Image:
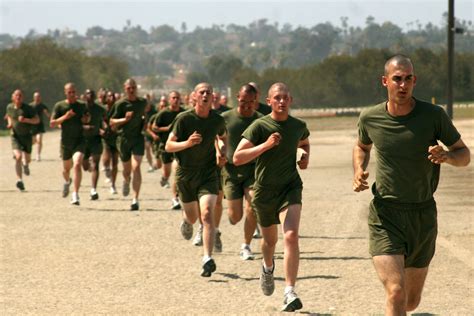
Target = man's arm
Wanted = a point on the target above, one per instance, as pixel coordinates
(457, 155)
(60, 120)
(34, 120)
(246, 151)
(360, 161)
(173, 145)
(304, 158)
(221, 149)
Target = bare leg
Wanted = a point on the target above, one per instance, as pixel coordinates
(77, 166)
(290, 219)
(137, 175)
(414, 282)
(390, 269)
(269, 240)
(18, 162)
(207, 204)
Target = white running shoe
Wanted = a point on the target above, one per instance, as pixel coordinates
(291, 302)
(197, 241)
(246, 253)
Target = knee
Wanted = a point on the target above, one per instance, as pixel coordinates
(413, 302)
(396, 295)
(206, 216)
(234, 217)
(291, 237)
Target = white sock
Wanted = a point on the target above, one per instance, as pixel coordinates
(134, 201)
(267, 269)
(206, 258)
(244, 246)
(289, 289)
(75, 196)
(93, 191)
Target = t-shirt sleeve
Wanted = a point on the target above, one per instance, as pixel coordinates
(252, 134)
(117, 111)
(364, 137)
(305, 132)
(56, 111)
(222, 127)
(446, 132)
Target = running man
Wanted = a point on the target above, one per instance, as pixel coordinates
(110, 154)
(93, 140)
(192, 139)
(237, 181)
(39, 129)
(21, 119)
(161, 124)
(402, 215)
(70, 115)
(261, 107)
(273, 142)
(129, 119)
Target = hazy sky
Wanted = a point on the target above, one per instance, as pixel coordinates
(18, 17)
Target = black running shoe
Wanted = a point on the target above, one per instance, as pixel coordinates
(208, 268)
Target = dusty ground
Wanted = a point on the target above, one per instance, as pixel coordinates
(100, 258)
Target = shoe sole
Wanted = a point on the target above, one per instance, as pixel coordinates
(293, 306)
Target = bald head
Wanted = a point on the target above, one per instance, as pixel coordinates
(397, 60)
(279, 86)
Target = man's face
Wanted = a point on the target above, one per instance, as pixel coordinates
(399, 81)
(216, 98)
(280, 100)
(89, 96)
(130, 90)
(174, 100)
(70, 92)
(110, 98)
(203, 97)
(17, 97)
(246, 103)
(37, 98)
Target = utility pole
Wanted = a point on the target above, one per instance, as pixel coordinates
(451, 31)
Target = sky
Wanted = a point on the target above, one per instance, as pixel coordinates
(19, 17)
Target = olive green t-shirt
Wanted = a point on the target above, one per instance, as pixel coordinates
(403, 173)
(202, 155)
(98, 116)
(165, 118)
(25, 110)
(277, 167)
(39, 108)
(71, 128)
(134, 127)
(236, 124)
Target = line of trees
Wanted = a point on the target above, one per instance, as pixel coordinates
(346, 81)
(45, 66)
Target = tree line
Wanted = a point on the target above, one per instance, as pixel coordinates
(46, 66)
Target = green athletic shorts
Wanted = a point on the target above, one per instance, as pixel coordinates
(130, 146)
(407, 229)
(109, 141)
(22, 142)
(92, 146)
(166, 157)
(194, 183)
(237, 178)
(70, 146)
(268, 202)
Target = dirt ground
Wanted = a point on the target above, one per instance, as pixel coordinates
(100, 258)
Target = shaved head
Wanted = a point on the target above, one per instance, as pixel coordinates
(279, 86)
(400, 60)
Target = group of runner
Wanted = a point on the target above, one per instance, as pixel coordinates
(250, 154)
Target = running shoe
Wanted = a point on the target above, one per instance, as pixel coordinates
(20, 185)
(218, 242)
(246, 253)
(197, 241)
(186, 230)
(267, 281)
(208, 268)
(291, 302)
(26, 170)
(66, 188)
(126, 188)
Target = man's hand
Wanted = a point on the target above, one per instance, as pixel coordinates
(194, 139)
(304, 160)
(128, 116)
(437, 154)
(360, 181)
(273, 140)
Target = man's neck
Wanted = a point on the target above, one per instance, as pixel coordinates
(400, 109)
